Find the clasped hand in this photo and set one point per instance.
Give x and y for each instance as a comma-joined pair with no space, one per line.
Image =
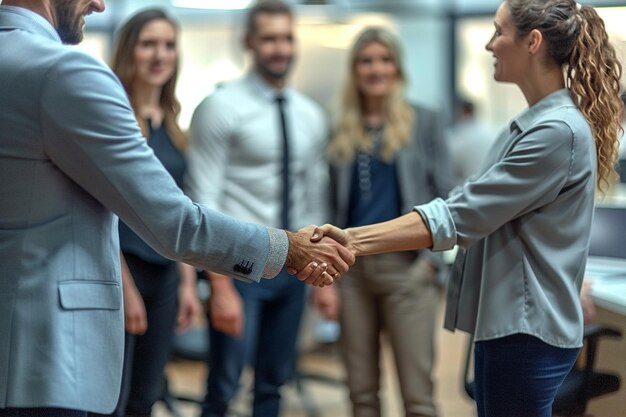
319,255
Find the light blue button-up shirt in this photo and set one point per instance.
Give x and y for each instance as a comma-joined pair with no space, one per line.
524,223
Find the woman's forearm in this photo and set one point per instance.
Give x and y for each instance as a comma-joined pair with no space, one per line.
407,232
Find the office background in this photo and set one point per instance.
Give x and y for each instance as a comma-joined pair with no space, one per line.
443,43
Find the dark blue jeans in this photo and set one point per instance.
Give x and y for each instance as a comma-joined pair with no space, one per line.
273,309
519,375
41,412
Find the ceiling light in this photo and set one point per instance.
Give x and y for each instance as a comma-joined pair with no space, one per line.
213,4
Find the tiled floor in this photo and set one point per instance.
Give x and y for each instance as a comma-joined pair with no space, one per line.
324,399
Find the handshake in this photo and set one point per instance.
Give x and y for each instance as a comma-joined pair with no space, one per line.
319,255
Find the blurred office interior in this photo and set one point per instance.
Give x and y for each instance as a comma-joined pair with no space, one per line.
443,44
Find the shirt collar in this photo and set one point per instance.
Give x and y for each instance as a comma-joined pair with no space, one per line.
13,17
265,89
527,118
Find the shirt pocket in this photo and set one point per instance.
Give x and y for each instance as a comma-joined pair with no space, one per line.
90,295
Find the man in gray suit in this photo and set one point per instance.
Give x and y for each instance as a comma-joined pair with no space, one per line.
71,155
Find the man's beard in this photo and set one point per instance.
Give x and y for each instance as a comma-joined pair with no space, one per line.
276,75
69,25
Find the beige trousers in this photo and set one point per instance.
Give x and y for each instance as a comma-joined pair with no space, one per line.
394,293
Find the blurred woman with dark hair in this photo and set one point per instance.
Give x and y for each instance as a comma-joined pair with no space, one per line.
146,61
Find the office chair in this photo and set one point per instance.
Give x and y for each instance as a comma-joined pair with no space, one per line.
583,382
193,345
301,376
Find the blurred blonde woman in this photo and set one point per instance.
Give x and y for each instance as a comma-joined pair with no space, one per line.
159,294
387,155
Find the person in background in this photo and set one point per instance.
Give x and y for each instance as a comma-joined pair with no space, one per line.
387,155
257,153
469,140
158,293
68,165
525,220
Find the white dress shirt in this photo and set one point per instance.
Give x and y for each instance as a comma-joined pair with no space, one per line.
235,155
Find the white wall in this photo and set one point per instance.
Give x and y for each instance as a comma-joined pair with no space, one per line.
498,103
426,42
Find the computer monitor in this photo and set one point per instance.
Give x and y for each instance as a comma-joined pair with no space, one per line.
608,233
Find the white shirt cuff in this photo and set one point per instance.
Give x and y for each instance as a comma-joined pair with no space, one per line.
279,245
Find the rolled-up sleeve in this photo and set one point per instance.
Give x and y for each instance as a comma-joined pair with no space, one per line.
440,223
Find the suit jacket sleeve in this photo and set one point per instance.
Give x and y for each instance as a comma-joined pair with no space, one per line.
440,172
90,133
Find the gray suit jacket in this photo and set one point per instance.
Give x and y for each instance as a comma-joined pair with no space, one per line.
71,155
423,166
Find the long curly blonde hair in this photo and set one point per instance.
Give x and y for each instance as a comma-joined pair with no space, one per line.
349,130
577,39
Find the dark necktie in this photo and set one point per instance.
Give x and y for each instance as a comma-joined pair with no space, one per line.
284,216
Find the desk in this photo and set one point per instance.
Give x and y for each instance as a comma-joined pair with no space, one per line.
609,283
609,294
